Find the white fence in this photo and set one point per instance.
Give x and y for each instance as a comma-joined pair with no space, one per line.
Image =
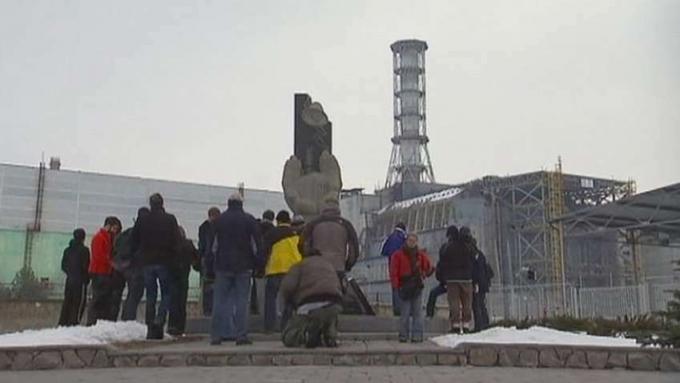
537,301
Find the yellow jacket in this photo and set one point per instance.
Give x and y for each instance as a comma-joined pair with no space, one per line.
284,251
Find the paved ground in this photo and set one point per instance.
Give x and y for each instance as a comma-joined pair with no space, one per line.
435,374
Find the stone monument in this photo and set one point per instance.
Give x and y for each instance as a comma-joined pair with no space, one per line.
311,176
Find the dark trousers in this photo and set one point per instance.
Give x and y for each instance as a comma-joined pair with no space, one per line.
207,294
117,287
100,305
479,311
178,305
135,285
71,307
156,276
313,329
271,292
432,298
254,304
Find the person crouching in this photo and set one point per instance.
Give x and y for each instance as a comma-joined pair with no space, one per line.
312,288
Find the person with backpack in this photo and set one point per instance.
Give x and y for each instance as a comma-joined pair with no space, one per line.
409,267
75,262
333,236
392,244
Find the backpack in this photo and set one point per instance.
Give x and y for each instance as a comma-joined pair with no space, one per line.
411,284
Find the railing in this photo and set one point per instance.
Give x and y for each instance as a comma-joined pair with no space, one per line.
538,301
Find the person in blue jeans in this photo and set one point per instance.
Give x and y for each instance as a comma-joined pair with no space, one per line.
156,237
238,251
409,267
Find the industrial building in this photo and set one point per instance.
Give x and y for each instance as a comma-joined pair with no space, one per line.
543,267
40,206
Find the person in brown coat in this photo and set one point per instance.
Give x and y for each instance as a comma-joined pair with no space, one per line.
333,237
312,288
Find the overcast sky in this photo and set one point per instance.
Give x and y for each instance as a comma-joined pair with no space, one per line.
202,91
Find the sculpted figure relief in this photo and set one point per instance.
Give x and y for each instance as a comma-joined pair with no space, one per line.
312,175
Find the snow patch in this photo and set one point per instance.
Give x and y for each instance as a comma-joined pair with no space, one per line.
103,332
533,335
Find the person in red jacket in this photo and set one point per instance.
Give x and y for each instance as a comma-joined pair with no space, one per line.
409,266
100,271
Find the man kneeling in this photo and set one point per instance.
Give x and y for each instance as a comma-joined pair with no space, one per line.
313,289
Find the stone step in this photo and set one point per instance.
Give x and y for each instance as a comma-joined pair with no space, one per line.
350,353
346,323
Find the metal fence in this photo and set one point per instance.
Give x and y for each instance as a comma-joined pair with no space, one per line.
538,301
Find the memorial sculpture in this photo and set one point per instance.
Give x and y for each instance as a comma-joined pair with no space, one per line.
311,176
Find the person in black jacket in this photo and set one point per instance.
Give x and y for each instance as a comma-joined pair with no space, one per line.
130,265
206,236
481,281
187,256
455,269
156,237
266,224
239,252
75,262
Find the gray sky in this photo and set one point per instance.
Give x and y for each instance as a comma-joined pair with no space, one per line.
203,90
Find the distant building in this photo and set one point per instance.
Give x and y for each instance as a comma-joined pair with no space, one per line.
41,206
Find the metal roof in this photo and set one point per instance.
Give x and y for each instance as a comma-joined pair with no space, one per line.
656,210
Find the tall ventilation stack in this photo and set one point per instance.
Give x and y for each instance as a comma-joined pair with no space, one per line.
410,160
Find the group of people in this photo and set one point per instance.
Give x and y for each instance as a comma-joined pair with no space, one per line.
462,272
303,264
153,254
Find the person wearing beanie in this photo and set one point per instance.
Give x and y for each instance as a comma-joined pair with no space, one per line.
392,244
455,270
156,237
74,264
281,250
238,252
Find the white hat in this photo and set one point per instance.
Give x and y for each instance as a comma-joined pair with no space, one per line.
236,197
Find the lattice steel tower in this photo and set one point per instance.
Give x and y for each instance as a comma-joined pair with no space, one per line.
410,160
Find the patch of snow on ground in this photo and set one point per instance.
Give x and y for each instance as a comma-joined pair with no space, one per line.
533,335
102,333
